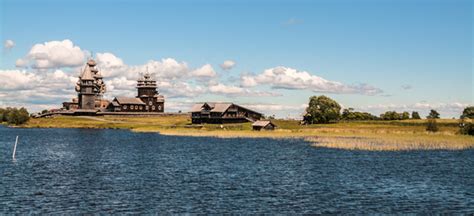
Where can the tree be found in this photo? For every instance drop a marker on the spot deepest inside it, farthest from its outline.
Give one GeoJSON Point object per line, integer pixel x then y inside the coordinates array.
{"type": "Point", "coordinates": [351, 115]}
{"type": "Point", "coordinates": [14, 116]}
{"type": "Point", "coordinates": [432, 125]}
{"type": "Point", "coordinates": [405, 115]}
{"type": "Point", "coordinates": [433, 115]}
{"type": "Point", "coordinates": [415, 115]}
{"type": "Point", "coordinates": [322, 109]}
{"type": "Point", "coordinates": [390, 115]}
{"type": "Point", "coordinates": [44, 111]}
{"type": "Point", "coordinates": [468, 112]}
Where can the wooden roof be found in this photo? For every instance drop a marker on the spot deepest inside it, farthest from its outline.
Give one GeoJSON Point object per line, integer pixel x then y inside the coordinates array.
{"type": "Point", "coordinates": [127, 100]}
{"type": "Point", "coordinates": [217, 107]}
{"type": "Point", "coordinates": [262, 123]}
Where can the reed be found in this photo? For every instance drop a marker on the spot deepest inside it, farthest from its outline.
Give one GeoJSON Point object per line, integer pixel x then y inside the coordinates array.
{"type": "Point", "coordinates": [364, 135]}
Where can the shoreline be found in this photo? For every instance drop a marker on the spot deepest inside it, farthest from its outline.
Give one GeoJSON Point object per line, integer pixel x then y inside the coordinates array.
{"type": "Point", "coordinates": [370, 135]}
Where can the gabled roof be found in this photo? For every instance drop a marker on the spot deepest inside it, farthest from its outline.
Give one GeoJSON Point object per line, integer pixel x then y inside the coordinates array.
{"type": "Point", "coordinates": [127, 100]}
{"type": "Point", "coordinates": [217, 107]}
{"type": "Point", "coordinates": [221, 107]}
{"type": "Point", "coordinates": [262, 123]}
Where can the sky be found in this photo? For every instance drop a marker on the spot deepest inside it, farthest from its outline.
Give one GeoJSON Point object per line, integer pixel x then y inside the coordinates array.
{"type": "Point", "coordinates": [270, 56]}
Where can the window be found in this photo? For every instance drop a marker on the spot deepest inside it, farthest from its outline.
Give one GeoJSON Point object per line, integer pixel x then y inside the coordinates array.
{"type": "Point", "coordinates": [152, 107]}
{"type": "Point", "coordinates": [131, 107]}
{"type": "Point", "coordinates": [124, 107]}
{"type": "Point", "coordinates": [141, 107]}
{"type": "Point", "coordinates": [159, 107]}
{"type": "Point", "coordinates": [136, 107]}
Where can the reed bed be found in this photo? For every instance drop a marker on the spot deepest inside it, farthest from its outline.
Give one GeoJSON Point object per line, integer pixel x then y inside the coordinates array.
{"type": "Point", "coordinates": [367, 135]}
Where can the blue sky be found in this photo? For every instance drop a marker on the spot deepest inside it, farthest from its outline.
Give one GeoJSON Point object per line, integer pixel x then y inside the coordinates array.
{"type": "Point", "coordinates": [417, 53]}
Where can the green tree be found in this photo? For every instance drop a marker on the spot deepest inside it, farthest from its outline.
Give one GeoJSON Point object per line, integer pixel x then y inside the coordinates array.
{"type": "Point", "coordinates": [44, 111]}
{"type": "Point", "coordinates": [468, 112]}
{"type": "Point", "coordinates": [432, 125]}
{"type": "Point", "coordinates": [322, 109]}
{"type": "Point", "coordinates": [405, 115]}
{"type": "Point", "coordinates": [390, 115]}
{"type": "Point", "coordinates": [415, 115]}
{"type": "Point", "coordinates": [433, 115]}
{"type": "Point", "coordinates": [16, 116]}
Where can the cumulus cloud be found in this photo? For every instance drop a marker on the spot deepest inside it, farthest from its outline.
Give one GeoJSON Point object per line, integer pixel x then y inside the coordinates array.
{"type": "Point", "coordinates": [53, 54]}
{"type": "Point", "coordinates": [8, 44]}
{"type": "Point", "coordinates": [239, 91]}
{"type": "Point", "coordinates": [206, 71]}
{"type": "Point", "coordinates": [35, 90]}
{"type": "Point", "coordinates": [289, 78]}
{"type": "Point", "coordinates": [227, 65]}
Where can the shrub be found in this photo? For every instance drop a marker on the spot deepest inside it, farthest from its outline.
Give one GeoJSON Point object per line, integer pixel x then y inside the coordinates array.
{"type": "Point", "coordinates": [432, 125]}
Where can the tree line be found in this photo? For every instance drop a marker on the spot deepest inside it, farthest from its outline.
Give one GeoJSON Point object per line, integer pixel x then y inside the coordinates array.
{"type": "Point", "coordinates": [14, 116]}
{"type": "Point", "coordinates": [322, 110]}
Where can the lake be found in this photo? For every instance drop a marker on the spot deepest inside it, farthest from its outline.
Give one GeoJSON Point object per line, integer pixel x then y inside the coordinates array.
{"type": "Point", "coordinates": [67, 171]}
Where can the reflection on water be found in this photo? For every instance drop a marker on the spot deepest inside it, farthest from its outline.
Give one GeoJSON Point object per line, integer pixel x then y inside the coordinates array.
{"type": "Point", "coordinates": [113, 171]}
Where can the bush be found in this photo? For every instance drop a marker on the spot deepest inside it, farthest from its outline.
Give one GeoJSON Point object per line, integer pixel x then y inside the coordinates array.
{"type": "Point", "coordinates": [466, 128]}
{"type": "Point", "coordinates": [14, 116]}
{"type": "Point", "coordinates": [322, 109]}
{"type": "Point", "coordinates": [432, 125]}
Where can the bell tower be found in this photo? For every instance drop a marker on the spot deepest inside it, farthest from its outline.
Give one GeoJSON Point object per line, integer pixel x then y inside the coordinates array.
{"type": "Point", "coordinates": [147, 92]}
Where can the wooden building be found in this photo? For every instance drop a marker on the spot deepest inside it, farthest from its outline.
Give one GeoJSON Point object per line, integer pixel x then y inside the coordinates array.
{"type": "Point", "coordinates": [263, 125]}
{"type": "Point", "coordinates": [147, 100]}
{"type": "Point", "coordinates": [221, 113]}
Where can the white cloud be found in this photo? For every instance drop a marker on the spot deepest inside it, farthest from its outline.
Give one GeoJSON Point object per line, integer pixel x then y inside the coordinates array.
{"type": "Point", "coordinates": [53, 54]}
{"type": "Point", "coordinates": [35, 90]}
{"type": "Point", "coordinates": [109, 60]}
{"type": "Point", "coordinates": [8, 44]}
{"type": "Point", "coordinates": [230, 90]}
{"type": "Point", "coordinates": [227, 65]}
{"type": "Point", "coordinates": [289, 78]}
{"type": "Point", "coordinates": [206, 71]}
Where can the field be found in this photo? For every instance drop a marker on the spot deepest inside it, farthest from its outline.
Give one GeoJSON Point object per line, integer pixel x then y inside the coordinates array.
{"type": "Point", "coordinates": [363, 135]}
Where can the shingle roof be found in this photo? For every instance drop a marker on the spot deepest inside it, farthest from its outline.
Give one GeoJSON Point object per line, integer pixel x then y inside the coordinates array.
{"type": "Point", "coordinates": [216, 107]}
{"type": "Point", "coordinates": [220, 107]}
{"type": "Point", "coordinates": [261, 123]}
{"type": "Point", "coordinates": [127, 100]}
{"type": "Point", "coordinates": [87, 74]}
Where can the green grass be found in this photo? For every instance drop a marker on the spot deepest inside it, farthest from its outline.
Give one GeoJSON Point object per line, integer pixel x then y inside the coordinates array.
{"type": "Point", "coordinates": [365, 135]}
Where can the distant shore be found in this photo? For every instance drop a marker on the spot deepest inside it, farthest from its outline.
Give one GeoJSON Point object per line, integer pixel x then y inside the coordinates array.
{"type": "Point", "coordinates": [365, 135]}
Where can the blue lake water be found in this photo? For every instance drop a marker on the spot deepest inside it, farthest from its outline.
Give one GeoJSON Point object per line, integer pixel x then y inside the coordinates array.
{"type": "Point", "coordinates": [116, 171]}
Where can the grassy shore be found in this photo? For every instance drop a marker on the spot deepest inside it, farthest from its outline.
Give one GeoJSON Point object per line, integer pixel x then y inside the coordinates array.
{"type": "Point", "coordinates": [365, 135]}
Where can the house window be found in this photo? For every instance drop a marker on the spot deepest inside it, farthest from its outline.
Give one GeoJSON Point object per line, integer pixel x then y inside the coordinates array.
{"type": "Point", "coordinates": [153, 107]}
{"type": "Point", "coordinates": [136, 107]}
{"type": "Point", "coordinates": [141, 107]}
{"type": "Point", "coordinates": [131, 107]}
{"type": "Point", "coordinates": [147, 107]}
{"type": "Point", "coordinates": [124, 107]}
{"type": "Point", "coordinates": [159, 107]}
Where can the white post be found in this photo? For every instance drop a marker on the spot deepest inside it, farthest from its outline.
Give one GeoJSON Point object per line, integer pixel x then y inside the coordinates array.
{"type": "Point", "coordinates": [14, 147]}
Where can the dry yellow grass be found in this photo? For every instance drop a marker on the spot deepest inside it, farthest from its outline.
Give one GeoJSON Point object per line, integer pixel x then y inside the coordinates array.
{"type": "Point", "coordinates": [370, 135]}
